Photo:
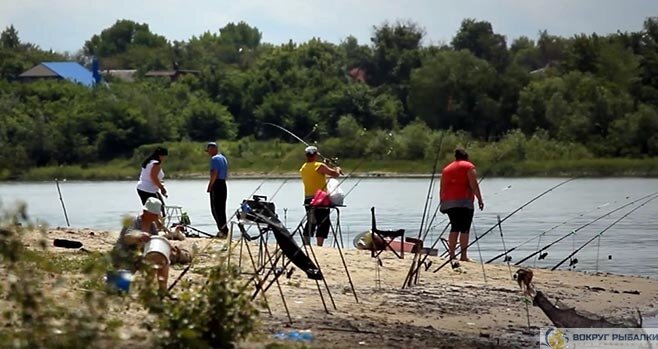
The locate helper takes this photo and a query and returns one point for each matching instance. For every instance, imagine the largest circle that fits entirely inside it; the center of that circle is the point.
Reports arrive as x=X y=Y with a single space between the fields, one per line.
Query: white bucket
x=159 y=245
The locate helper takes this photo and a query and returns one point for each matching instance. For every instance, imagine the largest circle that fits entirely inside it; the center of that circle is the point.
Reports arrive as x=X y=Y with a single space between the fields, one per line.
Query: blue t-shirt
x=218 y=162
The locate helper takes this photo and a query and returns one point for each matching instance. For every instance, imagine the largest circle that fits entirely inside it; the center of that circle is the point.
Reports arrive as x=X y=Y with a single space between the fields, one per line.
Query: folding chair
x=387 y=236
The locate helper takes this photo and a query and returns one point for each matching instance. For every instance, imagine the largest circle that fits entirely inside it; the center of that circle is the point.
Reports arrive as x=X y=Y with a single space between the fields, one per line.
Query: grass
x=529 y=168
x=515 y=157
x=62 y=263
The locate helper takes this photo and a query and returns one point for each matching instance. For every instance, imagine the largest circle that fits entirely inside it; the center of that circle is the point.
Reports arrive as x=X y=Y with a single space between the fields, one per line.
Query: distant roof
x=71 y=71
x=123 y=74
x=171 y=72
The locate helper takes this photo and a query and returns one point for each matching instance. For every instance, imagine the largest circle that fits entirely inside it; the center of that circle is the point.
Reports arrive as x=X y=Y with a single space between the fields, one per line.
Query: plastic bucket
x=159 y=245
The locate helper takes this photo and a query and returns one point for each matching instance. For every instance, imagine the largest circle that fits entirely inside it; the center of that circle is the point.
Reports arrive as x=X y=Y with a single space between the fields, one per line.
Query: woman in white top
x=150 y=179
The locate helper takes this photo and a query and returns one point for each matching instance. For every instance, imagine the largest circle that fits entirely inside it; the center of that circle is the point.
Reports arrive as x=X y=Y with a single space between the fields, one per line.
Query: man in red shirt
x=459 y=187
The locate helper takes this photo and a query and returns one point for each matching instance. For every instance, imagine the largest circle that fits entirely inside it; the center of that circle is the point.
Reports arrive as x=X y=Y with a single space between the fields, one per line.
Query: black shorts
x=460 y=219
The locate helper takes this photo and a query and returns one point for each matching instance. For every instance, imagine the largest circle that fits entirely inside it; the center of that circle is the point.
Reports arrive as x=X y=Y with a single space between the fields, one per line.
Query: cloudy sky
x=64 y=25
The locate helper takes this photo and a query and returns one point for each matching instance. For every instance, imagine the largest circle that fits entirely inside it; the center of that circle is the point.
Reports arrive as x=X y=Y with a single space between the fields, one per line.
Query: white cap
x=153 y=205
x=310 y=150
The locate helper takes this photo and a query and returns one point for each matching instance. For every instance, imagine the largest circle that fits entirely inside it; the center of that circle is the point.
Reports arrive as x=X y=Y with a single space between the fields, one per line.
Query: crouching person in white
x=140 y=248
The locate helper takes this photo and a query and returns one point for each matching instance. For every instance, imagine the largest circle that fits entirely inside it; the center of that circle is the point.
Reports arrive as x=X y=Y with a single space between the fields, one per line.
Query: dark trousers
x=317 y=221
x=144 y=195
x=218 y=194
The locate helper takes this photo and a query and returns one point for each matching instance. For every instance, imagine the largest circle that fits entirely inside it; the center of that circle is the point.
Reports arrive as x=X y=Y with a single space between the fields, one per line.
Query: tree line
x=597 y=93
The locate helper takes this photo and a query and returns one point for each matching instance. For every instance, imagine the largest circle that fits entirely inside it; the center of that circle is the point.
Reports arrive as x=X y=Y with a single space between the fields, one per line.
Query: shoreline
x=293 y=175
x=124 y=169
x=445 y=309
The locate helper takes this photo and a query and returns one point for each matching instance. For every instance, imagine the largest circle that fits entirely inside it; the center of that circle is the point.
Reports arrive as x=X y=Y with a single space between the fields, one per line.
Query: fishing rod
x=425 y=208
x=62 y=201
x=484 y=273
x=309 y=247
x=445 y=253
x=278 y=253
x=417 y=270
x=581 y=227
x=510 y=215
x=332 y=161
x=603 y=231
x=207 y=245
x=546 y=232
x=507 y=258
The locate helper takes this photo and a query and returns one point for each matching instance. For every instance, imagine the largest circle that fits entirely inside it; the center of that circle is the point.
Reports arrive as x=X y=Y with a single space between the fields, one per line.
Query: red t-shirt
x=456 y=191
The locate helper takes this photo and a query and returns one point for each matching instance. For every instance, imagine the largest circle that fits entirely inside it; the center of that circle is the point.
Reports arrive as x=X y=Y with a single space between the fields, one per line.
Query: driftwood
x=568 y=317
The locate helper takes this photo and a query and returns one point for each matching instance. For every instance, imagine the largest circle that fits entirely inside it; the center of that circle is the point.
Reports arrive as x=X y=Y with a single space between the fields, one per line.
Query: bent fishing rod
x=273 y=258
x=603 y=231
x=207 y=245
x=510 y=215
x=332 y=161
x=349 y=175
x=545 y=232
x=582 y=227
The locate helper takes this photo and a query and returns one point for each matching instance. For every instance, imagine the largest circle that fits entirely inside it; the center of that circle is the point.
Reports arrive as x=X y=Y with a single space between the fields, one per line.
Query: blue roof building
x=71 y=71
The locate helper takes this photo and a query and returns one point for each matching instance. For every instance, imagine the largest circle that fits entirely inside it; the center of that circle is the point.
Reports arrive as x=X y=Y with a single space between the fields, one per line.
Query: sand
x=447 y=309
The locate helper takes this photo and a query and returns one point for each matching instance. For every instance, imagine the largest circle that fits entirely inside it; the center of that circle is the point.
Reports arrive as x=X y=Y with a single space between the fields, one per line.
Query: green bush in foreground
x=45 y=306
x=217 y=314
x=37 y=313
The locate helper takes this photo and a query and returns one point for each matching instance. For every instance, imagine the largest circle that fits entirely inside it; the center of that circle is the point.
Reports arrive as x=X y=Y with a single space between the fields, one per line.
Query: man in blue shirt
x=217 y=188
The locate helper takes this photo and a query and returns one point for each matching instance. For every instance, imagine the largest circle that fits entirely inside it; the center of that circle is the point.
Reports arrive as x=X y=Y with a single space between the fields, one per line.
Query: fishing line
x=580 y=228
x=207 y=245
x=507 y=258
x=305 y=218
x=484 y=273
x=543 y=255
x=598 y=250
x=445 y=253
x=426 y=207
x=604 y=230
x=572 y=265
x=415 y=271
x=534 y=264
x=512 y=213
x=540 y=235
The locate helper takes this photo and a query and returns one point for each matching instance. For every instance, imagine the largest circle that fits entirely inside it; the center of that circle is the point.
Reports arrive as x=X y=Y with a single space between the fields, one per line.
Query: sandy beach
x=447 y=309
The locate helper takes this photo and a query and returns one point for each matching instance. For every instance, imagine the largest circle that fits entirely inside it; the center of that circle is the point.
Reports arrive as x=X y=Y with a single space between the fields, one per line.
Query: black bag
x=258 y=205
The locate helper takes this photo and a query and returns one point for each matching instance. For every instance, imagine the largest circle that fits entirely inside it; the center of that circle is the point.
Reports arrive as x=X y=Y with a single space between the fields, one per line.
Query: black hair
x=155 y=155
x=461 y=154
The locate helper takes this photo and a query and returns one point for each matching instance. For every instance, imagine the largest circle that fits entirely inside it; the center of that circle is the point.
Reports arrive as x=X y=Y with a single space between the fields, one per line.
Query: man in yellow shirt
x=313 y=173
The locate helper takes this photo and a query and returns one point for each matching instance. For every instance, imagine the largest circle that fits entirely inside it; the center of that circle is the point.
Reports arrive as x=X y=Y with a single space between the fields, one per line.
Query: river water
x=629 y=247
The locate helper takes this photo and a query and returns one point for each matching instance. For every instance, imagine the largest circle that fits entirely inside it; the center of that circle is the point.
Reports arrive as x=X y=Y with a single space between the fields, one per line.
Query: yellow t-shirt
x=312 y=179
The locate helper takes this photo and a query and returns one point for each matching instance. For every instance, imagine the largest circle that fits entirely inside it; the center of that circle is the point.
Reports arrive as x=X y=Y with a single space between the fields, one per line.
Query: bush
x=218 y=314
x=39 y=319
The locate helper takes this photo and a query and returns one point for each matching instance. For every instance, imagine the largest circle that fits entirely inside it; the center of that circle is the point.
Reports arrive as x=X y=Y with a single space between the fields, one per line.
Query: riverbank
x=447 y=309
x=241 y=168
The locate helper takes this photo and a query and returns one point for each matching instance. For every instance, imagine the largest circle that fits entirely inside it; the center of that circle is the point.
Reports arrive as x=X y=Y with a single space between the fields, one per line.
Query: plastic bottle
x=295 y=336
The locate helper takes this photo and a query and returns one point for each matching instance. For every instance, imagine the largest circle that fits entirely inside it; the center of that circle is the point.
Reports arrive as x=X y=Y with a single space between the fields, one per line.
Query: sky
x=64 y=25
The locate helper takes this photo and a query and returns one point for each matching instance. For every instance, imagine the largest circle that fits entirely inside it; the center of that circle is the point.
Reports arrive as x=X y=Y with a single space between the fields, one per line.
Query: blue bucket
x=119 y=280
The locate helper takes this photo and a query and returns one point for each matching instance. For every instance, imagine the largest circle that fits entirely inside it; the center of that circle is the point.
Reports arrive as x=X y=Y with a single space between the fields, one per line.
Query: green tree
x=240 y=35
x=479 y=38
x=525 y=53
x=636 y=133
x=9 y=38
x=205 y=120
x=552 y=49
x=453 y=90
x=127 y=44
